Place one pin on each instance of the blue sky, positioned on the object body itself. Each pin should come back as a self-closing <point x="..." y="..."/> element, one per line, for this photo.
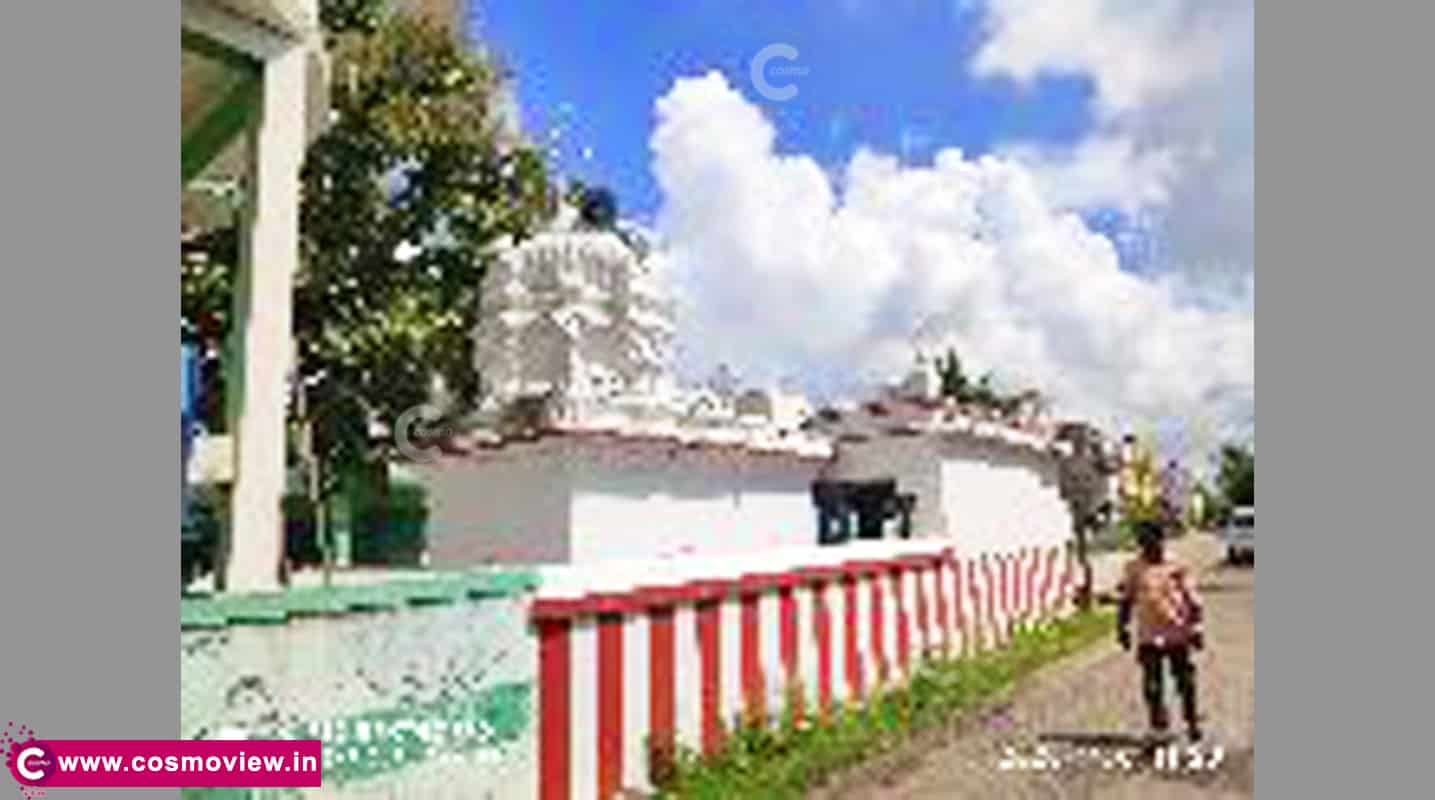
<point x="894" y="81"/>
<point x="1138" y="118"/>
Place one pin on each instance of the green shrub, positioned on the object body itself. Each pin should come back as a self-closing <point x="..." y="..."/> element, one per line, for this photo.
<point x="786" y="759"/>
<point x="390" y="527"/>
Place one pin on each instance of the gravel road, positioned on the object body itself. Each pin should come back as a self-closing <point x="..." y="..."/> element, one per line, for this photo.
<point x="1098" y="690"/>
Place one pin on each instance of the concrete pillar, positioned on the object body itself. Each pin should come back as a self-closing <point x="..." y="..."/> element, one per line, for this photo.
<point x="269" y="254"/>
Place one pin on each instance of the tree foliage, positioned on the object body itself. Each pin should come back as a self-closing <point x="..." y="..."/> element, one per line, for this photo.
<point x="351" y="16"/>
<point x="1203" y="507"/>
<point x="206" y="302"/>
<point x="949" y="370"/>
<point x="955" y="384"/>
<point x="403" y="197"/>
<point x="1083" y="476"/>
<point x="1236" y="480"/>
<point x="1141" y="484"/>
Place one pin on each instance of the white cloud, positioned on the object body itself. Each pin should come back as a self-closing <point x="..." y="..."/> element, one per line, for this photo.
<point x="787" y="270"/>
<point x="1137" y="52"/>
<point x="1109" y="171"/>
<point x="1175" y="88"/>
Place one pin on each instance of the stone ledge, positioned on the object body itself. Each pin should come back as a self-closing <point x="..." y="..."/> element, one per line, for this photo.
<point x="207" y="612"/>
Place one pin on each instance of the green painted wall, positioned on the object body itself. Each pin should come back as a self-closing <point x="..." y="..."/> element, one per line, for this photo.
<point x="422" y="688"/>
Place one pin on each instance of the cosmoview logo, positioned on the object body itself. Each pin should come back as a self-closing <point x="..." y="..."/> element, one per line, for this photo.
<point x="759" y="71"/>
<point x="419" y="422"/>
<point x="35" y="763"/>
<point x="31" y="763"/>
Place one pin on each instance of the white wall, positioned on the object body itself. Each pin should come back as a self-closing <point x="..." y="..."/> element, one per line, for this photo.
<point x="983" y="495"/>
<point x="999" y="498"/>
<point x="640" y="503"/>
<point x="577" y="501"/>
<point x="567" y="501"/>
<point x="913" y="462"/>
<point x="510" y="506"/>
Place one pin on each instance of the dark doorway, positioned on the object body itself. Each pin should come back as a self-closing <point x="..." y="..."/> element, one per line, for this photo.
<point x="870" y="509"/>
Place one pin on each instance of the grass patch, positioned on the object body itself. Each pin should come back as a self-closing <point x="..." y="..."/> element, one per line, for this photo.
<point x="786" y="759"/>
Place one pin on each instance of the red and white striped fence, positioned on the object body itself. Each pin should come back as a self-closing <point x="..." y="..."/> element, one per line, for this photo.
<point x="638" y="657"/>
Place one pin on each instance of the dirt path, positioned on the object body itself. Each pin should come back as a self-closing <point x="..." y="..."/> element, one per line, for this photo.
<point x="1099" y="691"/>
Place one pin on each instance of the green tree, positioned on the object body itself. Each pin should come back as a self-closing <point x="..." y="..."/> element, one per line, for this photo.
<point x="1083" y="480"/>
<point x="983" y="394"/>
<point x="1207" y="506"/>
<point x="404" y="196"/>
<point x="206" y="301"/>
<point x="1141" y="498"/>
<point x="1236" y="479"/>
<point x="956" y="385"/>
<point x="949" y="371"/>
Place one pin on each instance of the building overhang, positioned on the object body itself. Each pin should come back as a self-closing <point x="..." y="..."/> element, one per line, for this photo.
<point x="223" y="47"/>
<point x="291" y="18"/>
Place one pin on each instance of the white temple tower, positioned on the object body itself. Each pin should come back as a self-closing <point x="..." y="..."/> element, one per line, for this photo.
<point x="578" y="313"/>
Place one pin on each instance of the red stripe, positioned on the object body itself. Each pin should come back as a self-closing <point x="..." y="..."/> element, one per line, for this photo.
<point x="610" y="704"/>
<point x="1037" y="558"/>
<point x="1044" y="597"/>
<point x="959" y="616"/>
<point x="940" y="591"/>
<point x="1054" y="564"/>
<point x="1004" y="578"/>
<point x="990" y="589"/>
<point x="822" y="628"/>
<point x="924" y="625"/>
<point x="904" y="632"/>
<point x="553" y="715"/>
<point x="1023" y="570"/>
<point x="662" y="691"/>
<point x="1013" y="588"/>
<point x="752" y="684"/>
<point x="1067" y="580"/>
<point x="787" y="640"/>
<point x="1071" y="582"/>
<point x="974" y="591"/>
<point x="1033" y="567"/>
<point x="1013" y="579"/>
<point x="1039" y="599"/>
<point x="878" y="647"/>
<point x="1004" y="589"/>
<point x="1053" y="599"/>
<point x="1058" y="582"/>
<point x="1074" y="574"/>
<point x="989" y="598"/>
<point x="1039" y="596"/>
<point x="1028" y="587"/>
<point x="1016" y="580"/>
<point x="710" y="655"/>
<point x="1044" y="593"/>
<point x="849" y="615"/>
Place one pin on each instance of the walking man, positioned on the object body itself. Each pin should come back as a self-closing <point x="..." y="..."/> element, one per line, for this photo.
<point x="1160" y="594"/>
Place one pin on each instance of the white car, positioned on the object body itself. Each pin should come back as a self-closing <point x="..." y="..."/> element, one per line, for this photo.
<point x="1241" y="536"/>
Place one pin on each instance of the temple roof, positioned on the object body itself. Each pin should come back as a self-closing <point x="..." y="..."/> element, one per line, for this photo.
<point x="884" y="418"/>
<point x="730" y="442"/>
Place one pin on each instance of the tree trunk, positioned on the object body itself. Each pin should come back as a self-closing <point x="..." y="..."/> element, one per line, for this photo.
<point x="1083" y="557"/>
